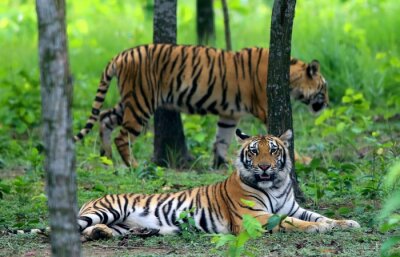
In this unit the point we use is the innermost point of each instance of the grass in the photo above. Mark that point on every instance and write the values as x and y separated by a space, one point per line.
353 143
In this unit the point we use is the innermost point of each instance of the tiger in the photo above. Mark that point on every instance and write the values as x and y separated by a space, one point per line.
262 177
195 80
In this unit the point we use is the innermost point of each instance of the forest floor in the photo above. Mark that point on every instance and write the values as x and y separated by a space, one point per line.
365 241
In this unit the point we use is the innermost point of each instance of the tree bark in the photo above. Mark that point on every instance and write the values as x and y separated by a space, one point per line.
205 22
279 107
169 140
56 92
226 25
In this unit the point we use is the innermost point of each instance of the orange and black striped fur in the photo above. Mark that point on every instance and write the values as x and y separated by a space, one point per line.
262 176
193 79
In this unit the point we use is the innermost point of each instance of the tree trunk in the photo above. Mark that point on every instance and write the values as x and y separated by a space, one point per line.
226 25
205 22
169 140
56 91
279 107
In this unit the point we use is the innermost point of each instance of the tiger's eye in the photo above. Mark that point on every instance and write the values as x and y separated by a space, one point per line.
253 151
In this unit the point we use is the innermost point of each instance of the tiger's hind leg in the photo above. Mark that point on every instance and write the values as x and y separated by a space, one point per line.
132 126
122 141
109 120
103 231
225 131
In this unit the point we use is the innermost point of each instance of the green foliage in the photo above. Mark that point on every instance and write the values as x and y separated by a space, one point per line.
390 212
353 143
20 103
274 221
252 229
187 223
149 171
4 189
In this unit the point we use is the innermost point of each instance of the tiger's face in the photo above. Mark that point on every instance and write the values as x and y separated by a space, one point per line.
264 161
308 85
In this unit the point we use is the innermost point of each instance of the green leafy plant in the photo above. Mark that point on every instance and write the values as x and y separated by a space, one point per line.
187 223
149 171
390 212
4 189
252 229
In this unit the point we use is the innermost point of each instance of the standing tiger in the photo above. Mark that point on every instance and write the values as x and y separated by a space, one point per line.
193 79
262 176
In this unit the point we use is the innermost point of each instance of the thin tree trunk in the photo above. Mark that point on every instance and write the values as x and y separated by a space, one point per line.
56 91
226 25
205 22
169 140
279 107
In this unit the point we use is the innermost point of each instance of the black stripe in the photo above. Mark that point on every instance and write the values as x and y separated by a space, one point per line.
249 60
203 222
225 125
166 209
210 89
211 108
242 65
99 99
88 220
236 67
180 97
135 115
95 111
133 131
291 213
181 199
146 206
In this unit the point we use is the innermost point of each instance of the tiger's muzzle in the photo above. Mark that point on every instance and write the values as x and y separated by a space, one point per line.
317 103
265 177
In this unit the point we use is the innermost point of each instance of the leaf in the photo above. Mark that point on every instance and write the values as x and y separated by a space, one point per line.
344 210
390 205
273 221
106 161
100 188
242 238
315 163
248 202
393 174
221 240
252 226
340 127
388 244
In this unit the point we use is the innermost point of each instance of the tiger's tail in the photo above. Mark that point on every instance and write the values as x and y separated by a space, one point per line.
106 77
40 231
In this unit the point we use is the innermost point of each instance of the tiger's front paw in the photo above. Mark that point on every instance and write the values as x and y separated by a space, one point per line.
345 224
319 227
101 231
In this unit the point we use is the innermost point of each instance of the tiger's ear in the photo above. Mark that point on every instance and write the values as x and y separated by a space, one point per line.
313 68
240 136
286 137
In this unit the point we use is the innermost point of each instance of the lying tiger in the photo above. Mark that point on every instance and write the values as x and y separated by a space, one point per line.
262 176
193 79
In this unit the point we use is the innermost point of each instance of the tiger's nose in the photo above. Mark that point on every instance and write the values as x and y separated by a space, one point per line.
264 167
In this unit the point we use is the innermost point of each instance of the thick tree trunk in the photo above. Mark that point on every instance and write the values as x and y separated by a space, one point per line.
279 107
228 41
205 22
169 140
56 91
